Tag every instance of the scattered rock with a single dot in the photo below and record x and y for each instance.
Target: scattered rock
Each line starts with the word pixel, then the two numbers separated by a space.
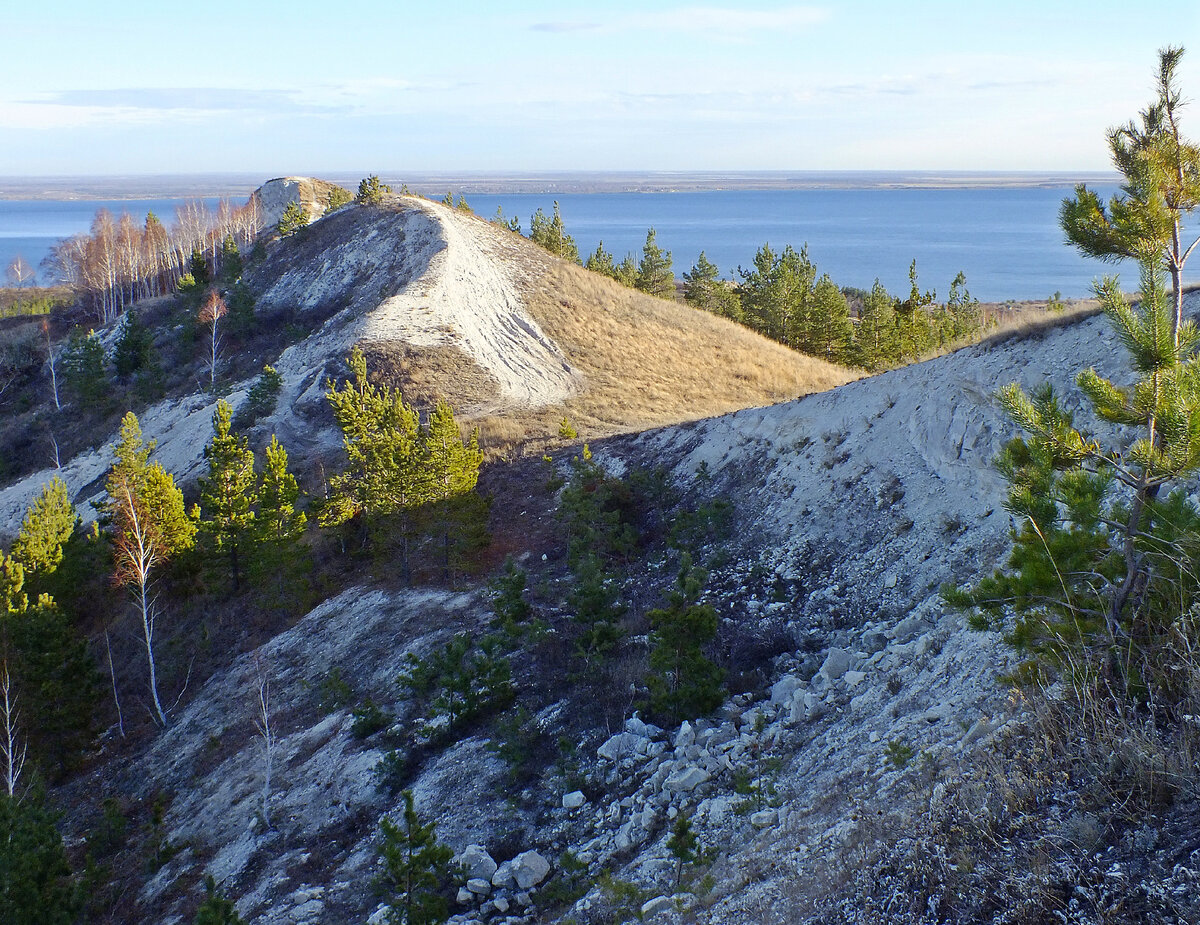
pixel 573 800
pixel 477 863
pixel 529 869
pixel 619 746
pixel 782 690
pixel 687 779
pixel 479 886
pixel 764 818
pixel 836 663
pixel 656 905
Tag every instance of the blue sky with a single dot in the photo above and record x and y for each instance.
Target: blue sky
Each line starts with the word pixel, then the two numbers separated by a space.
pixel 357 86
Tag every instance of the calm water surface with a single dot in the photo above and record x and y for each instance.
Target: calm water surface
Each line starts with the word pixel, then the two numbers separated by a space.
pixel 1007 241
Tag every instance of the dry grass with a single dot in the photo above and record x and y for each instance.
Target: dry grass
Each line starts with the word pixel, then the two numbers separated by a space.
pixel 648 362
pixel 425 375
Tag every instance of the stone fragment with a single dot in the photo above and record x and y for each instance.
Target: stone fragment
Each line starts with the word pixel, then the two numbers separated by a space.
pixel 618 746
pixel 503 877
pixel 656 905
pixel 836 663
pixel 529 869
pixel 573 800
pixel 477 863
pixel 782 690
pixel 686 735
pixel 764 818
pixel 479 886
pixel 464 897
pixel 686 779
pixel 853 678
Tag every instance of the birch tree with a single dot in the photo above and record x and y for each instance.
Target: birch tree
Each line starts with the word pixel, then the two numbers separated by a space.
pixel 150 526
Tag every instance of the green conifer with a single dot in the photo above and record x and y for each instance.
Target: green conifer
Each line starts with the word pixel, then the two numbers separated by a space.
pixel 601 261
pixel 385 475
pixel 876 345
pixel 1101 577
pixel 451 473
pixel 216 909
pixel 294 218
pixel 654 275
pixel 416 867
pixel 684 683
pixel 830 333
pixel 47 527
pixel 83 367
pixel 278 524
pixel 35 878
pixel 132 352
pixel 227 493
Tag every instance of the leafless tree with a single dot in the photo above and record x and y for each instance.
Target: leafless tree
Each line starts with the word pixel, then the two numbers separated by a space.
pixel 211 312
pixel 51 360
pixel 19 272
pixel 262 722
pixel 12 750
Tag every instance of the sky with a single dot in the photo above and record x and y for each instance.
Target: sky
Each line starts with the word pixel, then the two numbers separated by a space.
pixel 355 86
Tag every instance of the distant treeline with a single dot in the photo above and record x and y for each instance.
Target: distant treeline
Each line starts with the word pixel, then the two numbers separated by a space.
pixel 119 262
pixel 781 296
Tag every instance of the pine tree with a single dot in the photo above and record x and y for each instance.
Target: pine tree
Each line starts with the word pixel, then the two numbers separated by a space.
pixel 875 341
pixel 228 493
pixel 48 661
pixel 216 909
pixel 1161 170
pixel 912 319
pixel 597 611
pixel 1101 573
pixel 231 259
pixel 830 333
pixel 294 218
pixel 550 234
pixel 962 308
pixel 278 524
pixel 45 530
pixel 83 367
pixel 199 269
pixel 134 344
pixel 451 472
pixel 371 191
pixel 337 197
pixel 654 272
pixel 682 844
pixel 416 867
pixel 385 475
pixel 508 599
pixel 35 878
pixel 150 526
pixel 684 683
pixel 627 272
pixel 601 261
pixel 704 288
pixel 776 294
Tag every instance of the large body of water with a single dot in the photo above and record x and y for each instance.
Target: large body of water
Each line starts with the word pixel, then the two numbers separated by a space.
pixel 1006 240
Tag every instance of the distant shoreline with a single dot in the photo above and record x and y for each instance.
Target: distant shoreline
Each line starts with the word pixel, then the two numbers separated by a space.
pixel 163 186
